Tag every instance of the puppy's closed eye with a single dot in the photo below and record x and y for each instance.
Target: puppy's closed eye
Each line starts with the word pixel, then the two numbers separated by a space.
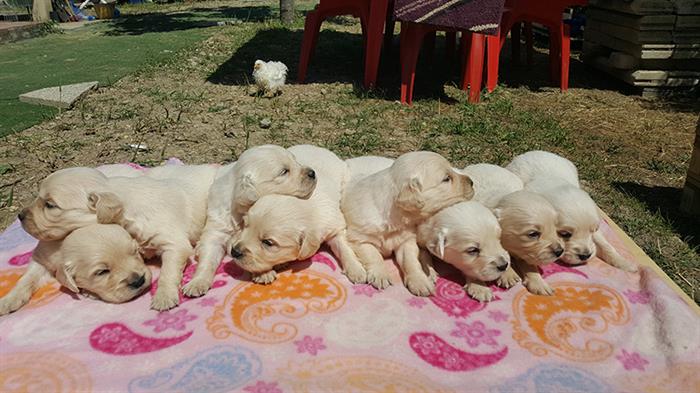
pixel 101 272
pixel 565 234
pixel 473 251
pixel 50 205
pixel 534 234
pixel 284 172
pixel 268 243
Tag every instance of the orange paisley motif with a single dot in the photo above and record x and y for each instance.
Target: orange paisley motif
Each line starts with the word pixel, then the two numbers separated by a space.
pixel 45 293
pixel 356 374
pixel 562 324
pixel 43 372
pixel 260 313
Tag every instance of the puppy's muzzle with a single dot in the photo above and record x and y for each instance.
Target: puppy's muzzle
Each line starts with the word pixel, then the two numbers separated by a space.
pixel 137 282
pixel 311 174
pixel 236 252
pixel 22 214
pixel 584 257
pixel 502 264
pixel 557 251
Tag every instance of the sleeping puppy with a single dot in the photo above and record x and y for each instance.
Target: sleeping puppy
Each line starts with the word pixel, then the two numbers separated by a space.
pixel 528 223
pixel 101 260
pixel 259 171
pixel 361 167
pixel 384 209
pixel 467 236
pixel 556 178
pixel 282 228
pixel 165 216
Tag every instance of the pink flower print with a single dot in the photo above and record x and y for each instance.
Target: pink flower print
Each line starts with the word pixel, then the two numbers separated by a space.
pixel 263 387
pixel 207 302
pixel 498 316
pixel 169 320
pixel 428 345
pixel 310 344
pixel 632 360
pixel 417 302
pixel 365 289
pixel 641 297
pixel 475 333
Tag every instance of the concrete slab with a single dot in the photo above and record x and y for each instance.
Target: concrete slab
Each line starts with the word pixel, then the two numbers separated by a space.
pixel 637 7
pixel 638 22
pixel 58 96
pixel 643 51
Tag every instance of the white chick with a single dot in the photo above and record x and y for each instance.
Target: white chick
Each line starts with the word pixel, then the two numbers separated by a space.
pixel 269 76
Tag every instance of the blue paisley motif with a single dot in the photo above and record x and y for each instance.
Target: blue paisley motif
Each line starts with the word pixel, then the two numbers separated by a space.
pixel 218 369
pixel 554 378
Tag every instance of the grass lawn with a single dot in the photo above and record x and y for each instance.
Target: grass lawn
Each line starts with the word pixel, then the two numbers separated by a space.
pixel 104 51
pixel 632 153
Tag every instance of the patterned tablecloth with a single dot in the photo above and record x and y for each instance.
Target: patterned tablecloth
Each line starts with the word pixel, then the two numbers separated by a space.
pixel 313 331
pixel 481 16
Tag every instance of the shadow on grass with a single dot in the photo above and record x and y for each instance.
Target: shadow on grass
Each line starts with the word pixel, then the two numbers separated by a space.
pixel 195 18
pixel 665 200
pixel 338 58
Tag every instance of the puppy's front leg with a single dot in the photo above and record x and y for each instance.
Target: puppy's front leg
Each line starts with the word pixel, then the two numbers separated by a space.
pixel 508 278
pixel 173 260
pixel 348 260
pixel 415 279
pixel 373 261
pixel 210 251
pixel 478 290
pixel 609 254
pixel 264 278
pixel 532 279
pixel 20 294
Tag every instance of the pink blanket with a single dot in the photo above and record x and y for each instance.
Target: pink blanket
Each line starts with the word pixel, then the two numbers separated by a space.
pixel 313 331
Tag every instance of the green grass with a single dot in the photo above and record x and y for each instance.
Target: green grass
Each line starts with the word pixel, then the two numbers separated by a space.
pixel 104 52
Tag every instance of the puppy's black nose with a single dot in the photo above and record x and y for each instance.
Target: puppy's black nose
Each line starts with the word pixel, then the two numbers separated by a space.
pixel 502 267
pixel 138 283
pixel 311 174
pixel 584 257
pixel 558 251
pixel 236 252
pixel 22 215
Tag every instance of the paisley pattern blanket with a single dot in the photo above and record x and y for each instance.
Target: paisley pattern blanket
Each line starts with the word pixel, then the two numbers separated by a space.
pixel 482 16
pixel 313 331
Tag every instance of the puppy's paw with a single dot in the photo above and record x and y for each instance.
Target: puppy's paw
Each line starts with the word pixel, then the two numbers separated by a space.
pixel 356 274
pixel 419 284
pixel 432 274
pixel 538 287
pixel 264 278
pixel 479 292
pixel 11 303
pixel 198 286
pixel 379 278
pixel 623 264
pixel 165 299
pixel 508 279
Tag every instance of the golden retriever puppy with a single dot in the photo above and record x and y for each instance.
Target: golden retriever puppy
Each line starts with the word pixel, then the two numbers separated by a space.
pixel 467 236
pixel 556 178
pixel 492 183
pixel 259 171
pixel 361 167
pixel 383 211
pixel 101 260
pixel 165 215
pixel 282 228
pixel 529 233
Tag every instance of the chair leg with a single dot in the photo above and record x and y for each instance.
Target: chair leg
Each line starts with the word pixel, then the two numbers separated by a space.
pixel 530 51
pixel 493 47
pixel 411 41
pixel 554 47
pixel 389 26
pixel 475 67
pixel 373 40
pixel 312 27
pixel 565 41
pixel 515 42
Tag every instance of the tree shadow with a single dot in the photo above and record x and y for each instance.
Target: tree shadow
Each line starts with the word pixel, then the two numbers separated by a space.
pixel 195 18
pixel 665 200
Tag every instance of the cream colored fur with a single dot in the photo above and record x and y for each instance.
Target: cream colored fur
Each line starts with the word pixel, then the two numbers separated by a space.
pixel 280 228
pixel 492 183
pixel 259 171
pixel 384 209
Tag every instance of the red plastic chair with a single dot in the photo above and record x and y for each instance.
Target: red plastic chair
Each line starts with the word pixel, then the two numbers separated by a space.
pixel 372 14
pixel 547 13
pixel 472 50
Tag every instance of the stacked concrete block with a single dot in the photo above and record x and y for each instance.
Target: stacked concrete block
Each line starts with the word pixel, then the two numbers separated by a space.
pixel 651 44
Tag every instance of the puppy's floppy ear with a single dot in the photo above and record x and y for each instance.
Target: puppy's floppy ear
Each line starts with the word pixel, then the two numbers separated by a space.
pixel 469 186
pixel 246 193
pixel 437 247
pixel 65 274
pixel 308 245
pixel 498 212
pixel 410 197
pixel 107 206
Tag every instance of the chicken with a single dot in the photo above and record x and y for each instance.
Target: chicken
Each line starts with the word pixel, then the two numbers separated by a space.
pixel 269 76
